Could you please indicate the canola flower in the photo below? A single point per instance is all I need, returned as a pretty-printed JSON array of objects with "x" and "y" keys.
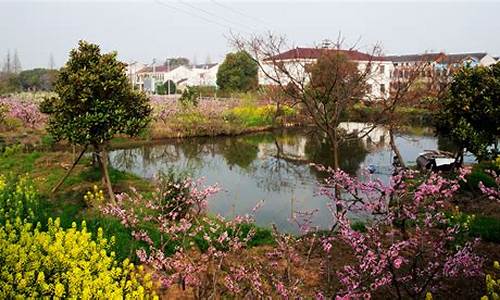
[
  {"x": 94, "y": 197},
  {"x": 493, "y": 284},
  {"x": 60, "y": 263},
  {"x": 17, "y": 199}
]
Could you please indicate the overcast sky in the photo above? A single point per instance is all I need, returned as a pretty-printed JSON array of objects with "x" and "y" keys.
[{"x": 143, "y": 30}]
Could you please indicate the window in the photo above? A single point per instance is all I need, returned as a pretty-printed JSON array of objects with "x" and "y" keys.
[
  {"x": 382, "y": 69},
  {"x": 382, "y": 89}
]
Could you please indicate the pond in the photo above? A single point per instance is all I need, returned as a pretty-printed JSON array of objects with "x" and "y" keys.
[{"x": 271, "y": 166}]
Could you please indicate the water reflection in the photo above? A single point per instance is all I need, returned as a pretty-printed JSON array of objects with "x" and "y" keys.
[{"x": 272, "y": 166}]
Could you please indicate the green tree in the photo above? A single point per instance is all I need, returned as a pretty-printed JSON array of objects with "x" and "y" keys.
[
  {"x": 95, "y": 101},
  {"x": 238, "y": 72},
  {"x": 470, "y": 113},
  {"x": 174, "y": 62},
  {"x": 37, "y": 79},
  {"x": 164, "y": 89}
]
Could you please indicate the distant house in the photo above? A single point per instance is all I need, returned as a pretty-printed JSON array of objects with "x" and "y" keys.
[
  {"x": 473, "y": 59},
  {"x": 204, "y": 75},
  {"x": 132, "y": 69},
  {"x": 480, "y": 58},
  {"x": 437, "y": 63},
  {"x": 404, "y": 65},
  {"x": 294, "y": 61},
  {"x": 148, "y": 78}
]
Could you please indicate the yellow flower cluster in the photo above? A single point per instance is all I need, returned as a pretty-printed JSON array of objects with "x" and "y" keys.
[
  {"x": 464, "y": 221},
  {"x": 492, "y": 284},
  {"x": 94, "y": 197},
  {"x": 60, "y": 263},
  {"x": 3, "y": 183},
  {"x": 17, "y": 199}
]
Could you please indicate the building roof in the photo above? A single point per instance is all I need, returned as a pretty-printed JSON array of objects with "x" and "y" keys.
[
  {"x": 315, "y": 53},
  {"x": 440, "y": 57},
  {"x": 416, "y": 57},
  {"x": 164, "y": 69},
  {"x": 159, "y": 69},
  {"x": 460, "y": 57},
  {"x": 205, "y": 66}
]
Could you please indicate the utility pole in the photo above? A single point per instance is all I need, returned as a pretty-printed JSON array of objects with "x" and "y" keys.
[
  {"x": 153, "y": 81},
  {"x": 168, "y": 80}
]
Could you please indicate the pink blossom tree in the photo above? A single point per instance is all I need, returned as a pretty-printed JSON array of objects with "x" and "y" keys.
[{"x": 409, "y": 246}]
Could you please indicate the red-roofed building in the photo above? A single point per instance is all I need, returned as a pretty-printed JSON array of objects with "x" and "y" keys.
[{"x": 296, "y": 59}]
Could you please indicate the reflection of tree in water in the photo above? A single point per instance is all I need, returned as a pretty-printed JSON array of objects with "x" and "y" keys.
[
  {"x": 193, "y": 151},
  {"x": 238, "y": 151},
  {"x": 351, "y": 154},
  {"x": 285, "y": 165},
  {"x": 125, "y": 159}
]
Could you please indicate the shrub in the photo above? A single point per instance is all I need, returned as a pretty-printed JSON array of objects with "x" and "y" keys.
[
  {"x": 10, "y": 150},
  {"x": 48, "y": 141},
  {"x": 480, "y": 173},
  {"x": 174, "y": 190},
  {"x": 11, "y": 123},
  {"x": 189, "y": 97},
  {"x": 64, "y": 263}
]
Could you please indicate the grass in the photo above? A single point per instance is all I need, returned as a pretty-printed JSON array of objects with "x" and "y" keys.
[
  {"x": 487, "y": 228},
  {"x": 67, "y": 204}
]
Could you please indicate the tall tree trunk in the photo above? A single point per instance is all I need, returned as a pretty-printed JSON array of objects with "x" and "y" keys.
[
  {"x": 335, "y": 150},
  {"x": 58, "y": 185},
  {"x": 102, "y": 157},
  {"x": 395, "y": 148},
  {"x": 336, "y": 165}
]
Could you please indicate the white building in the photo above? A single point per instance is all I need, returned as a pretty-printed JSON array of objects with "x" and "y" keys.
[
  {"x": 204, "y": 75},
  {"x": 132, "y": 69},
  {"x": 181, "y": 76},
  {"x": 296, "y": 59}
]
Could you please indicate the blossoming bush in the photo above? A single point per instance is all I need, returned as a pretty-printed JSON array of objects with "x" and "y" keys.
[
  {"x": 62, "y": 263},
  {"x": 25, "y": 111},
  {"x": 198, "y": 254}
]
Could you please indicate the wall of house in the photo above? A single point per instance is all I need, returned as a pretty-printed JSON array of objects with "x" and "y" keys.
[
  {"x": 488, "y": 60},
  {"x": 379, "y": 79}
]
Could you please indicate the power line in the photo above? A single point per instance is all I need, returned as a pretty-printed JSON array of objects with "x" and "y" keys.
[
  {"x": 194, "y": 15},
  {"x": 241, "y": 25},
  {"x": 239, "y": 12}
]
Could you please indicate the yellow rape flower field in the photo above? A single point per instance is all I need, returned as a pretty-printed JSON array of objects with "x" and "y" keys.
[{"x": 60, "y": 263}]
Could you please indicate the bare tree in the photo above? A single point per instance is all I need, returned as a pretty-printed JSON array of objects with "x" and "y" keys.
[
  {"x": 52, "y": 64},
  {"x": 322, "y": 81},
  {"x": 7, "y": 66},
  {"x": 16, "y": 63},
  {"x": 411, "y": 84}
]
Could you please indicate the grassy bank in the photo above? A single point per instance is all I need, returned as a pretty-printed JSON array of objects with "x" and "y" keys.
[{"x": 44, "y": 169}]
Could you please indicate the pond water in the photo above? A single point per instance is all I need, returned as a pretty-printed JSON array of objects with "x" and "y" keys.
[{"x": 270, "y": 166}]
